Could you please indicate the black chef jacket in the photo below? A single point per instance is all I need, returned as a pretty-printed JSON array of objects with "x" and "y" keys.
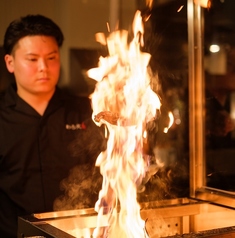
[{"x": 37, "y": 152}]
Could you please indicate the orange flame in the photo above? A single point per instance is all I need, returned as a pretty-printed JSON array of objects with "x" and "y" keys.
[
  {"x": 124, "y": 101},
  {"x": 171, "y": 121},
  {"x": 203, "y": 3}
]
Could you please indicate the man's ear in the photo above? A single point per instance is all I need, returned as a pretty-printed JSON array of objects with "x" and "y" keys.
[{"x": 9, "y": 60}]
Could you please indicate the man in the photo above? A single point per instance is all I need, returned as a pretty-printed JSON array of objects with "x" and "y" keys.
[{"x": 43, "y": 132}]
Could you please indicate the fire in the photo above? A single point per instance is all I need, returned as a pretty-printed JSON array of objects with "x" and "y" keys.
[
  {"x": 203, "y": 3},
  {"x": 171, "y": 121},
  {"x": 124, "y": 101}
]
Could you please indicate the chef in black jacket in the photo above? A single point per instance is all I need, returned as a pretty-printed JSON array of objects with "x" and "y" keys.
[{"x": 44, "y": 132}]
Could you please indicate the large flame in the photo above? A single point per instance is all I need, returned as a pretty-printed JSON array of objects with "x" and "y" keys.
[{"x": 124, "y": 101}]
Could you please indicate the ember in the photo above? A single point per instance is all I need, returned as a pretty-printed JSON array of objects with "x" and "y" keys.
[{"x": 124, "y": 101}]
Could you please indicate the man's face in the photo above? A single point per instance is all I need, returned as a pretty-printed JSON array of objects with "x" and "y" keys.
[{"x": 35, "y": 63}]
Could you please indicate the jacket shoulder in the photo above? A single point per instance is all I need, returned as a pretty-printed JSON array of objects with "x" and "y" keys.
[{"x": 76, "y": 106}]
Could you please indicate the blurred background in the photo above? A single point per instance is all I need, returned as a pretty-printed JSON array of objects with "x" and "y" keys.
[{"x": 166, "y": 39}]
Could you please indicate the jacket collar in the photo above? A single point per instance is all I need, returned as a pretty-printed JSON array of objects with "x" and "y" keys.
[{"x": 13, "y": 100}]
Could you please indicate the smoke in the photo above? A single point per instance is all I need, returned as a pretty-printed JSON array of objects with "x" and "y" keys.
[
  {"x": 166, "y": 176},
  {"x": 81, "y": 188}
]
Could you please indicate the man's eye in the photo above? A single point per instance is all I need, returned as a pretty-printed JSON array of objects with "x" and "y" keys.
[
  {"x": 32, "y": 59},
  {"x": 51, "y": 58}
]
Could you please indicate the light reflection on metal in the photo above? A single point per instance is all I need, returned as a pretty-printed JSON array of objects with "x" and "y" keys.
[{"x": 196, "y": 98}]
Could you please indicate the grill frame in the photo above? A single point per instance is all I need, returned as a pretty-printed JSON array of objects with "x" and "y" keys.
[{"x": 170, "y": 218}]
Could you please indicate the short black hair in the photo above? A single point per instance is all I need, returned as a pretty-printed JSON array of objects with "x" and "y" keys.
[{"x": 31, "y": 25}]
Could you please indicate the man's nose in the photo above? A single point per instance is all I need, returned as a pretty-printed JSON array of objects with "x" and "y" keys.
[{"x": 42, "y": 64}]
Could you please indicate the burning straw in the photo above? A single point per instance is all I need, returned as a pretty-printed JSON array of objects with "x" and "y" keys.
[{"x": 124, "y": 101}]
